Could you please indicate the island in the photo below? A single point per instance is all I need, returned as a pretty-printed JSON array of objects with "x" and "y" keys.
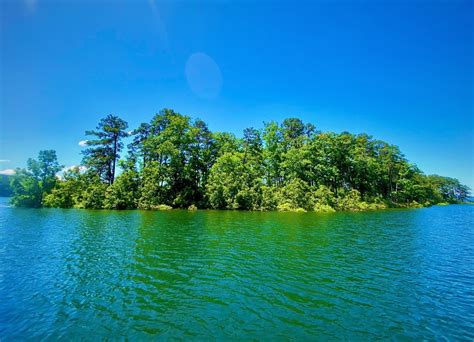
[{"x": 175, "y": 161}]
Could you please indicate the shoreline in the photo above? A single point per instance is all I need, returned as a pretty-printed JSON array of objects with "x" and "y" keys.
[{"x": 298, "y": 211}]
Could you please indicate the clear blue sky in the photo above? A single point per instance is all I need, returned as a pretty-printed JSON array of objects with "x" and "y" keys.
[{"x": 400, "y": 71}]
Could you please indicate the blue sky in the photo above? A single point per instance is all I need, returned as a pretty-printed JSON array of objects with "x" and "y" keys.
[{"x": 400, "y": 71}]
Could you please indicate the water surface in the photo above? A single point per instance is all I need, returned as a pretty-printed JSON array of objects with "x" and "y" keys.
[{"x": 402, "y": 274}]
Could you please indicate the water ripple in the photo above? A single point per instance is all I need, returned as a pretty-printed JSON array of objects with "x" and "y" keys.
[{"x": 401, "y": 274}]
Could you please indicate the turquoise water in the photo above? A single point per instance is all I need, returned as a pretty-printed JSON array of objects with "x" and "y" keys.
[{"x": 397, "y": 274}]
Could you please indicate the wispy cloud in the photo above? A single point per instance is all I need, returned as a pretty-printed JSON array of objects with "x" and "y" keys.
[
  {"x": 4, "y": 160},
  {"x": 82, "y": 143},
  {"x": 7, "y": 172}
]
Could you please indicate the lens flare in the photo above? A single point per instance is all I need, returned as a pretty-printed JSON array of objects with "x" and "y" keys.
[{"x": 203, "y": 75}]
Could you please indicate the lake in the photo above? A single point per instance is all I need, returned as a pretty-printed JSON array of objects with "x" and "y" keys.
[{"x": 394, "y": 274}]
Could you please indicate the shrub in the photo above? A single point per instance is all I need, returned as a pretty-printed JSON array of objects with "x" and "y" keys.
[
  {"x": 289, "y": 207},
  {"x": 324, "y": 196},
  {"x": 350, "y": 201},
  {"x": 294, "y": 195},
  {"x": 161, "y": 207},
  {"x": 323, "y": 208},
  {"x": 155, "y": 207},
  {"x": 94, "y": 196},
  {"x": 269, "y": 198},
  {"x": 123, "y": 192},
  {"x": 377, "y": 206}
]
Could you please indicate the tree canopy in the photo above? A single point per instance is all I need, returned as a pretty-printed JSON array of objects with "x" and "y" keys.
[
  {"x": 176, "y": 161},
  {"x": 32, "y": 184},
  {"x": 103, "y": 152}
]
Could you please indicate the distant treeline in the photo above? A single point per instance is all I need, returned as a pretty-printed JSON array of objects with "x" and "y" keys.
[
  {"x": 175, "y": 161},
  {"x": 5, "y": 188}
]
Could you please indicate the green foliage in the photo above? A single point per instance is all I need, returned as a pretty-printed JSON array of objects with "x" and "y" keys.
[
  {"x": 155, "y": 186},
  {"x": 94, "y": 196},
  {"x": 351, "y": 201},
  {"x": 160, "y": 207},
  {"x": 5, "y": 188},
  {"x": 103, "y": 152},
  {"x": 323, "y": 208},
  {"x": 324, "y": 196},
  {"x": 27, "y": 190},
  {"x": 67, "y": 193},
  {"x": 288, "y": 207},
  {"x": 224, "y": 181},
  {"x": 235, "y": 182},
  {"x": 61, "y": 197},
  {"x": 377, "y": 203},
  {"x": 174, "y": 161},
  {"x": 324, "y": 200},
  {"x": 77, "y": 190},
  {"x": 30, "y": 185},
  {"x": 269, "y": 197},
  {"x": 123, "y": 193},
  {"x": 294, "y": 195}
]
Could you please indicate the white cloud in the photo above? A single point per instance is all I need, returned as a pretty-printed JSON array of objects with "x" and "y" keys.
[
  {"x": 4, "y": 160},
  {"x": 83, "y": 143},
  {"x": 67, "y": 168},
  {"x": 7, "y": 172},
  {"x": 130, "y": 132},
  {"x": 82, "y": 168}
]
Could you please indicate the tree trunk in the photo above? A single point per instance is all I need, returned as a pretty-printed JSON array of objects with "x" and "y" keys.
[{"x": 113, "y": 161}]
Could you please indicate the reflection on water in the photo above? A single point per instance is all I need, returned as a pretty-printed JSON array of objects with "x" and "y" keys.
[{"x": 76, "y": 273}]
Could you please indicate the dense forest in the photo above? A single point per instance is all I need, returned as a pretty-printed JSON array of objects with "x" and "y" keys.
[{"x": 177, "y": 162}]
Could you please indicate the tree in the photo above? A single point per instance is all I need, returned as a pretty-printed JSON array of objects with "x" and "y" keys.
[
  {"x": 26, "y": 190},
  {"x": 233, "y": 184},
  {"x": 136, "y": 148},
  {"x": 252, "y": 145},
  {"x": 67, "y": 193},
  {"x": 176, "y": 161},
  {"x": 272, "y": 153},
  {"x": 450, "y": 189},
  {"x": 103, "y": 152},
  {"x": 225, "y": 143},
  {"x": 295, "y": 196},
  {"x": 167, "y": 148},
  {"x": 123, "y": 193},
  {"x": 154, "y": 188},
  {"x": 30, "y": 185},
  {"x": 201, "y": 158}
]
